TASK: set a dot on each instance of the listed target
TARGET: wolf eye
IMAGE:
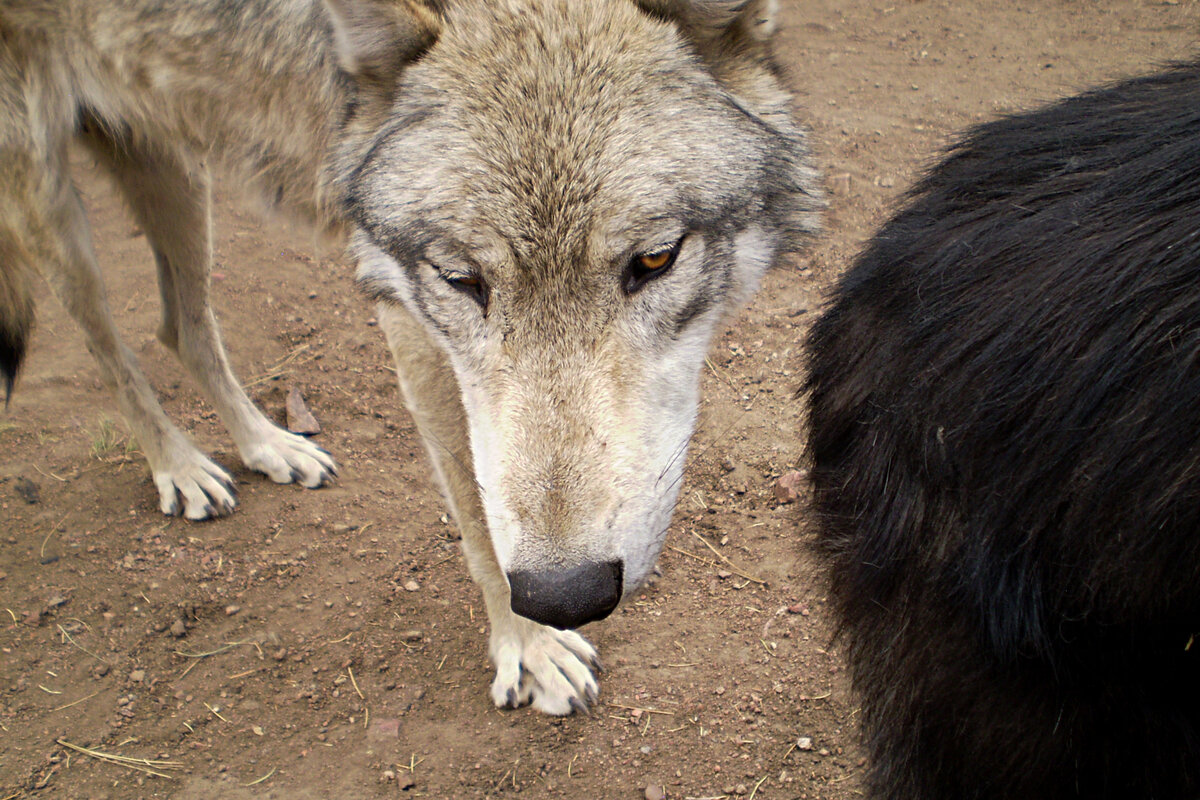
(472, 286)
(645, 267)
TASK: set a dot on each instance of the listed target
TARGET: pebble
(138, 675)
(839, 185)
(411, 586)
(178, 628)
(804, 743)
(787, 488)
(299, 418)
(656, 791)
(230, 610)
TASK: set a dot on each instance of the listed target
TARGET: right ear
(375, 39)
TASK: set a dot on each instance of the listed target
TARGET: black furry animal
(1005, 436)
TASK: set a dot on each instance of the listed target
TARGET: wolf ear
(375, 39)
(709, 20)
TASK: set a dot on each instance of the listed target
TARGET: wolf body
(554, 203)
(1004, 403)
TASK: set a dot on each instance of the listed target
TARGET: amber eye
(472, 286)
(645, 267)
(654, 261)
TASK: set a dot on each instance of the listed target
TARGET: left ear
(375, 39)
(709, 20)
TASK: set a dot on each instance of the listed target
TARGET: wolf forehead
(555, 129)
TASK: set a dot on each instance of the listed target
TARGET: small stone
(230, 610)
(411, 586)
(656, 791)
(178, 628)
(138, 675)
(724, 573)
(407, 782)
(787, 488)
(387, 776)
(413, 635)
(823, 752)
(299, 418)
(839, 185)
(386, 728)
(804, 743)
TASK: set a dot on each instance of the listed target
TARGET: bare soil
(329, 644)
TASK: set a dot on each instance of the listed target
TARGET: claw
(577, 705)
(592, 695)
(511, 699)
(178, 504)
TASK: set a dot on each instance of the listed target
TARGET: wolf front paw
(195, 487)
(286, 457)
(553, 669)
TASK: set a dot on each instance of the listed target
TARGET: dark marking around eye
(645, 267)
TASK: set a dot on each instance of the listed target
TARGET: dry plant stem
(147, 765)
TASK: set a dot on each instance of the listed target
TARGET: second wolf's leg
(553, 669)
(42, 221)
(171, 203)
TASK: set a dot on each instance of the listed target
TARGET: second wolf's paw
(287, 457)
(553, 669)
(191, 485)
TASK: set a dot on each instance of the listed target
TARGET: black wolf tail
(16, 314)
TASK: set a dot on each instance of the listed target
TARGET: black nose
(567, 598)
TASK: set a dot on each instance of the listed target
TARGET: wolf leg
(550, 668)
(45, 222)
(171, 202)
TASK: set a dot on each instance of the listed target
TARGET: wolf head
(570, 195)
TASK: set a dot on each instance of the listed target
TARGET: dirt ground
(329, 644)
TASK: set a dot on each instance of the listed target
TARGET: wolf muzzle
(566, 599)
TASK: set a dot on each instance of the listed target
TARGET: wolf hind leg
(171, 202)
(552, 669)
(47, 222)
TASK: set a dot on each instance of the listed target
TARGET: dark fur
(1005, 434)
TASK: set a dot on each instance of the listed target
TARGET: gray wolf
(1005, 398)
(554, 203)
